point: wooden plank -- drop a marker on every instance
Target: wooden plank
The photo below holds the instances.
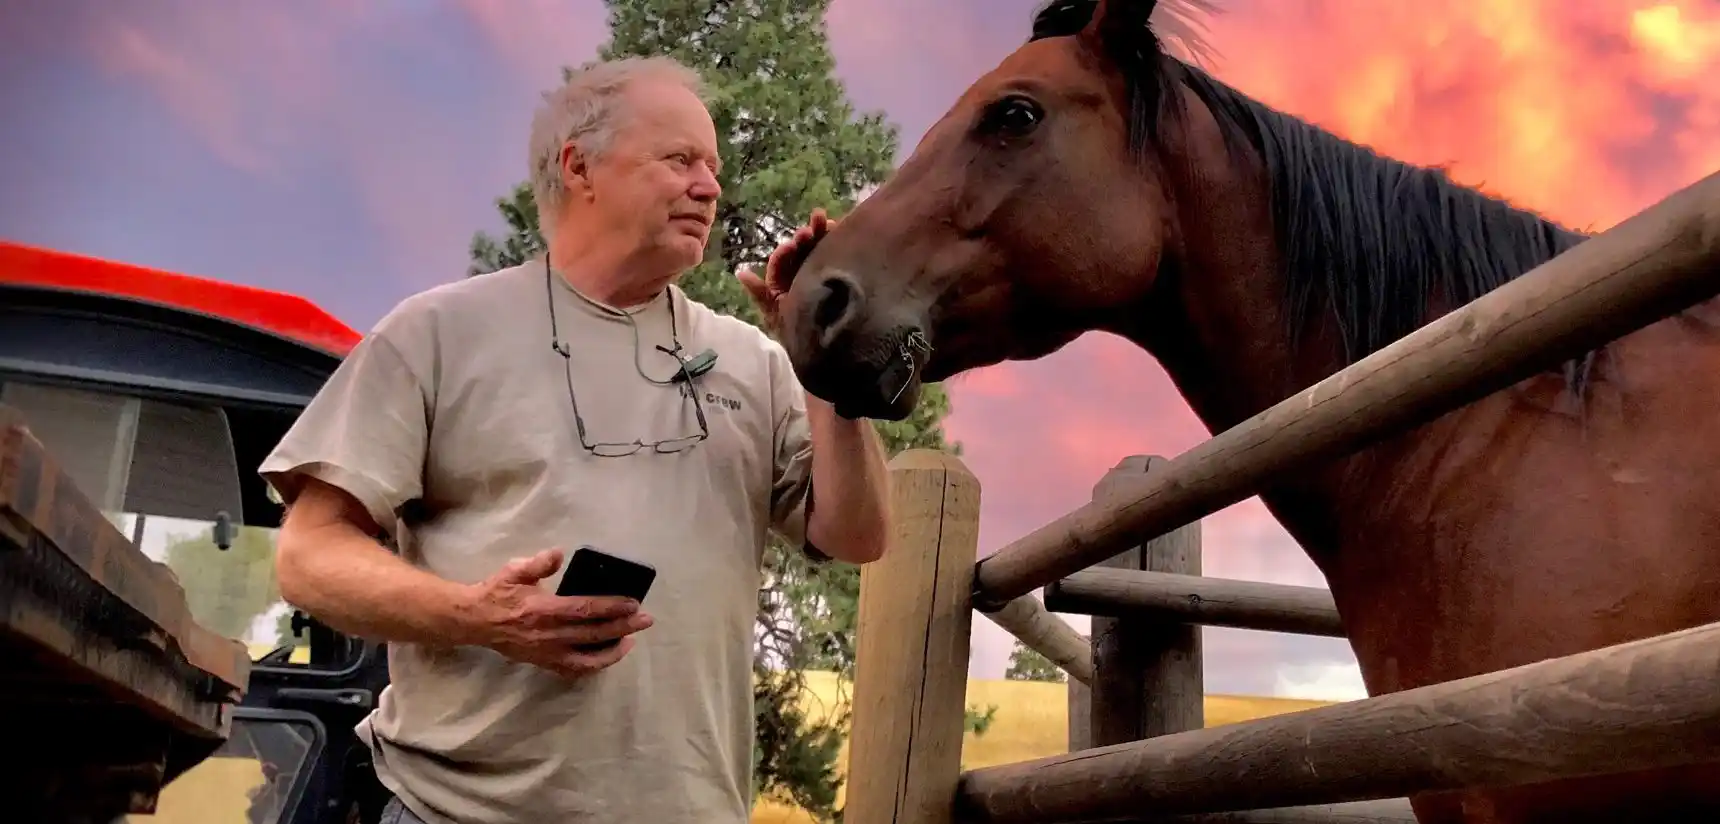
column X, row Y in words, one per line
column 1386, row 811
column 99, row 646
column 61, row 648
column 1036, row 628
column 916, row 611
column 1147, row 676
column 38, row 497
column 1213, row 602
column 1654, row 264
column 1642, row 705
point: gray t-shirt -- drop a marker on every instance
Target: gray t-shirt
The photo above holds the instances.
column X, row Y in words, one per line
column 457, row 404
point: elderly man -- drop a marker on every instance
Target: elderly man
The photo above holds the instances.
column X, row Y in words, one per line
column 492, row 425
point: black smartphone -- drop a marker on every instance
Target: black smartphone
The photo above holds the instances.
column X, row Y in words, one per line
column 591, row 571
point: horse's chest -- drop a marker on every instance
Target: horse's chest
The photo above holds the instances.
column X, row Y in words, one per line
column 1521, row 543
column 1531, row 526
column 1535, row 554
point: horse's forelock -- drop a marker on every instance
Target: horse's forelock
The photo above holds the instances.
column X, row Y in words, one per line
column 1179, row 25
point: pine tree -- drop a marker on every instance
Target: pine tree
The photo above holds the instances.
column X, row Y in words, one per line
column 227, row 590
column 790, row 143
column 1028, row 665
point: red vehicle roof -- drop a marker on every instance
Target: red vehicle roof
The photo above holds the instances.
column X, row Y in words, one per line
column 289, row 316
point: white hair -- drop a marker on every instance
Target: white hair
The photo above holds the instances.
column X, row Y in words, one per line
column 584, row 110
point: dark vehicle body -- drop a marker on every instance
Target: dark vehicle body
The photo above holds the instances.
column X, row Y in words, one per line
column 158, row 395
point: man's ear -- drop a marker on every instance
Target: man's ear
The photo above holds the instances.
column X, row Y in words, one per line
column 575, row 168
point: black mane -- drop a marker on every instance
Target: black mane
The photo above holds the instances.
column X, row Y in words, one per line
column 1376, row 239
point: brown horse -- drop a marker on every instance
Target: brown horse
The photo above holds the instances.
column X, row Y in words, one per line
column 1092, row 181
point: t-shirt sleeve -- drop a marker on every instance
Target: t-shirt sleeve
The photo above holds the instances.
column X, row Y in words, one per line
column 367, row 429
column 791, row 478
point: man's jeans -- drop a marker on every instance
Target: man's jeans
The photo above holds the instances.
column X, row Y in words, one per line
column 395, row 812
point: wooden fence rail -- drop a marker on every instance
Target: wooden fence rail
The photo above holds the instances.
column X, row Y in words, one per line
column 1645, row 704
column 1037, row 629
column 1146, row 689
column 1390, row 811
column 1213, row 602
column 1654, row 264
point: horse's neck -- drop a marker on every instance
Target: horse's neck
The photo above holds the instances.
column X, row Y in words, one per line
column 1224, row 343
column 1221, row 322
column 1219, row 325
column 1218, row 320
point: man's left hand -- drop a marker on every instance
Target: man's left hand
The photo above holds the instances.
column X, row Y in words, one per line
column 783, row 265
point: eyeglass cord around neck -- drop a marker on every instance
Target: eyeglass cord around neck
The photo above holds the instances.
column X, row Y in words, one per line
column 673, row 350
column 685, row 373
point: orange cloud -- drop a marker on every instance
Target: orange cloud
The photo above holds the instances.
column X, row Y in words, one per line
column 1587, row 111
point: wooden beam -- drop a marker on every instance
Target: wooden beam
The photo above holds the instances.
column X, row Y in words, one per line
column 1147, row 675
column 1642, row 705
column 37, row 496
column 98, row 644
column 1652, row 265
column 1191, row 599
column 1080, row 701
column 1387, row 811
column 1035, row 627
column 910, row 684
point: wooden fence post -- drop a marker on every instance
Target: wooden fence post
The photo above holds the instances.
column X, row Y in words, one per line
column 1080, row 715
column 1147, row 675
column 910, row 682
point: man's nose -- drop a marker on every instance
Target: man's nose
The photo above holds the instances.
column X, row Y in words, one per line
column 705, row 187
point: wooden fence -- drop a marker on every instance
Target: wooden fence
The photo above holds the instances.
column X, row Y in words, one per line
column 1139, row 750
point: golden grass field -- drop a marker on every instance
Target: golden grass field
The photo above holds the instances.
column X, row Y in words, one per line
column 1032, row 721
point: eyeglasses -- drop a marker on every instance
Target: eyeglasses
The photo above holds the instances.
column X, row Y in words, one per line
column 607, row 449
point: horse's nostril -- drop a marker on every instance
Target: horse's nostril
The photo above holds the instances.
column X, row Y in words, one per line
column 833, row 307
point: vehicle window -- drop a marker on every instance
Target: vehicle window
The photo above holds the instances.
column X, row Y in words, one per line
column 165, row 473
column 232, row 591
column 90, row 434
column 253, row 778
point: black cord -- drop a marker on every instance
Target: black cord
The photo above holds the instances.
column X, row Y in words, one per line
column 673, row 350
column 682, row 375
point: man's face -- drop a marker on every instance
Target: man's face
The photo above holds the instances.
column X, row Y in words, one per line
column 655, row 189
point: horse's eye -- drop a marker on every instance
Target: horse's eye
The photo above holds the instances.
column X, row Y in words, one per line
column 1013, row 116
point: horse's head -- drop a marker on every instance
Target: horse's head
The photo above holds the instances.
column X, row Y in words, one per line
column 1027, row 214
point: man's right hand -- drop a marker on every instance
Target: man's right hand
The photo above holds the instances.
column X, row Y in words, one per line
column 515, row 617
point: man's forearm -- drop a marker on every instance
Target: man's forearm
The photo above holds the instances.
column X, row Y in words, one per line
column 354, row 585
column 850, row 515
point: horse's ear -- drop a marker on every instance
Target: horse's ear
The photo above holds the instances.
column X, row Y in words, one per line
column 1114, row 19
